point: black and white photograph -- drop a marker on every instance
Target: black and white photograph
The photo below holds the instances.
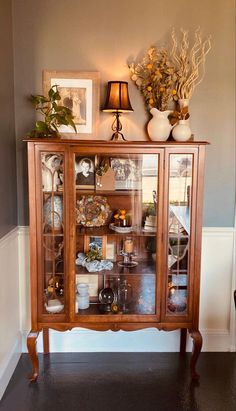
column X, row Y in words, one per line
column 79, row 91
column 74, row 98
column 85, row 172
column 127, row 173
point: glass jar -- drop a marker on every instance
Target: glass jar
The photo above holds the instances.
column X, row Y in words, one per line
column 124, row 296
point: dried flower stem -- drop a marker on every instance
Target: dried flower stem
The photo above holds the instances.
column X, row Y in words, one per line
column 190, row 64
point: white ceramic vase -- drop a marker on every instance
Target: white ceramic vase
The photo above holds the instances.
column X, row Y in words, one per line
column 159, row 127
column 184, row 102
column 182, row 131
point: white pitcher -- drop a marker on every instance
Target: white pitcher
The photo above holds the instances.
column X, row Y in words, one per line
column 159, row 127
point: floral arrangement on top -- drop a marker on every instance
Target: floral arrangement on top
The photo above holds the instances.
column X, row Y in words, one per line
column 155, row 77
column 163, row 76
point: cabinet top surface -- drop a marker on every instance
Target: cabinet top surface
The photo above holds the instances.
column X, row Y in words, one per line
column 89, row 142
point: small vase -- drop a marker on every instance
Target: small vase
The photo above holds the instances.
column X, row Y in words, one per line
column 159, row 127
column 182, row 131
column 184, row 102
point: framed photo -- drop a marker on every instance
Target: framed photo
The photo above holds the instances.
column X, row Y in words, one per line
column 127, row 173
column 85, row 172
column 79, row 91
column 99, row 241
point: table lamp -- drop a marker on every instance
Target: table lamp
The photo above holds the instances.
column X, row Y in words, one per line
column 117, row 102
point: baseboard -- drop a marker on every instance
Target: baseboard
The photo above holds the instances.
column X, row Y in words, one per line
column 9, row 363
column 216, row 341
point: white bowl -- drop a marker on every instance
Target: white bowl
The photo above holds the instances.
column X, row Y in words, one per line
column 54, row 306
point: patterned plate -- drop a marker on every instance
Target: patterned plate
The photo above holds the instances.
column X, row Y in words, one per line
column 92, row 211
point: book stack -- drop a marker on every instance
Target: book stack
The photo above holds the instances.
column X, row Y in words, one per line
column 150, row 223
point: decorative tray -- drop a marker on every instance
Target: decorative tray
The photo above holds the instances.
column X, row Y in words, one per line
column 122, row 230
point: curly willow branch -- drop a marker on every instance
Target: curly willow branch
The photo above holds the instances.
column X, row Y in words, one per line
column 190, row 62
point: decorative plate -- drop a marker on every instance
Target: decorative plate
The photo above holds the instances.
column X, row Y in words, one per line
column 92, row 211
column 53, row 212
column 121, row 230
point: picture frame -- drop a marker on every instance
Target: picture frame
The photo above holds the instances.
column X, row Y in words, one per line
column 85, row 176
column 79, row 91
column 101, row 241
column 127, row 173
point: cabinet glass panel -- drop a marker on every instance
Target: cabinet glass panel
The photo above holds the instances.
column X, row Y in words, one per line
column 116, row 224
column 52, row 165
column 180, row 188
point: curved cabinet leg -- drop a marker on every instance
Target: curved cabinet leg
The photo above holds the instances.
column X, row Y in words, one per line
column 31, row 345
column 197, row 345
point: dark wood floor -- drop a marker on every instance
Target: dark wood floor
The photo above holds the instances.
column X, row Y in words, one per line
column 123, row 382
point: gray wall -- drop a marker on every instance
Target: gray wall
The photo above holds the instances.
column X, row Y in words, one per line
column 8, row 203
column 102, row 35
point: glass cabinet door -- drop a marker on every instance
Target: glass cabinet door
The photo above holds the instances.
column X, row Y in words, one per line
column 52, row 232
column 179, row 228
column 116, row 207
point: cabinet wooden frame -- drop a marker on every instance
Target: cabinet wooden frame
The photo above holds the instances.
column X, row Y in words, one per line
column 69, row 319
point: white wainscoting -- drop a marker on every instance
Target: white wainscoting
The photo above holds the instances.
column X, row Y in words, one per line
column 217, row 316
column 217, row 312
column 10, row 335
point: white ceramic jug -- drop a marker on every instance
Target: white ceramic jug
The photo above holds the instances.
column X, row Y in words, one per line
column 159, row 127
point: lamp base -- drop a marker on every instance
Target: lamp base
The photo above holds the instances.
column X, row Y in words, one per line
column 118, row 136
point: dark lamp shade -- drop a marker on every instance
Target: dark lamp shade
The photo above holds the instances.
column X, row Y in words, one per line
column 117, row 97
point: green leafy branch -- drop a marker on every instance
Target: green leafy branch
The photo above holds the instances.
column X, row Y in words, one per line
column 54, row 114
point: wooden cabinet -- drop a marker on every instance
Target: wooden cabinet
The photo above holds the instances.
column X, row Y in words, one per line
column 115, row 237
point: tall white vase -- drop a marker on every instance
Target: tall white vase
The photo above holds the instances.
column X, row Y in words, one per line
column 159, row 127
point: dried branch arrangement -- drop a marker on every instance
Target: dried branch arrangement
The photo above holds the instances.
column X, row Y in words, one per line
column 189, row 62
column 155, row 77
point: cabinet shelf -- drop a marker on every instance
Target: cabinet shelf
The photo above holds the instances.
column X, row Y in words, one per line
column 55, row 193
column 94, row 309
column 105, row 230
column 129, row 193
column 143, row 268
column 55, row 234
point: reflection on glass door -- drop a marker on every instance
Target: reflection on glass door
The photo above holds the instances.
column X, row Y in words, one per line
column 116, row 224
column 52, row 171
column 180, row 189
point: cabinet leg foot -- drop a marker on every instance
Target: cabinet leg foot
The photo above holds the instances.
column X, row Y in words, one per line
column 197, row 345
column 45, row 340
column 31, row 345
column 183, row 336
